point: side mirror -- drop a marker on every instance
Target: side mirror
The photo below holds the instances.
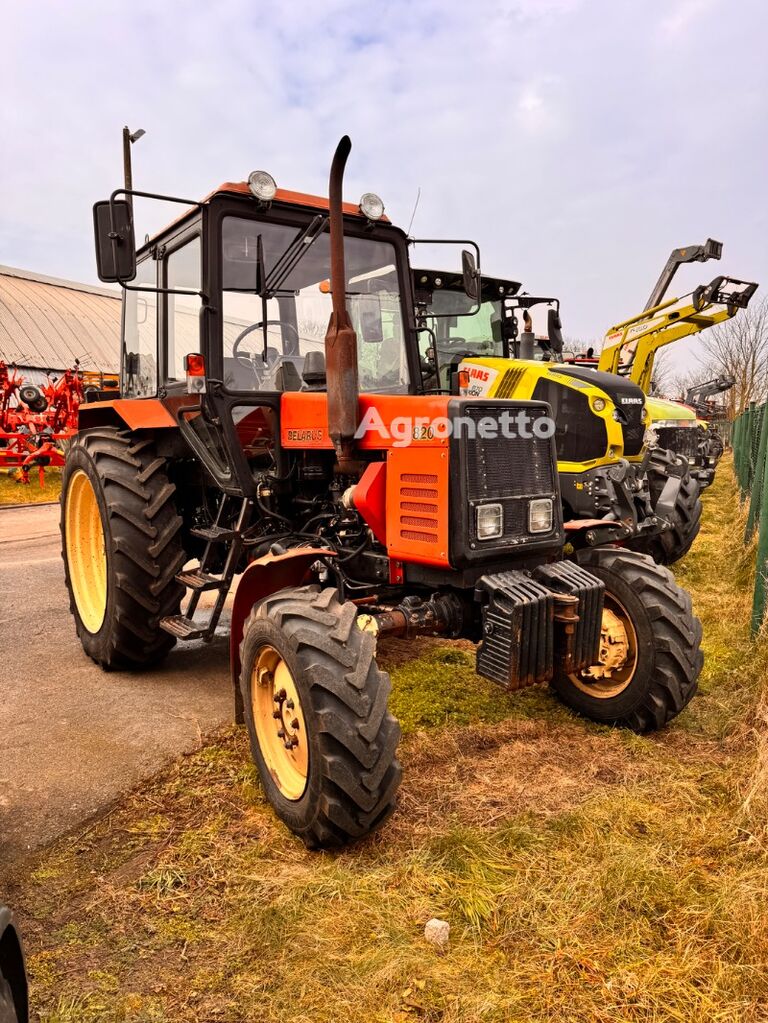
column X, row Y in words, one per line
column 470, row 276
column 115, row 244
column 555, row 330
column 371, row 324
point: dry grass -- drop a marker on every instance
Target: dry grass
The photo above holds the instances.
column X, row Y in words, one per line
column 587, row 874
column 12, row 492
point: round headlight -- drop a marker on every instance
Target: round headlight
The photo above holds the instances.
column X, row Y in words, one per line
column 262, row 185
column 598, row 404
column 371, row 206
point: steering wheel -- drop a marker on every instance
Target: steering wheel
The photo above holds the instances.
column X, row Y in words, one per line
column 236, row 354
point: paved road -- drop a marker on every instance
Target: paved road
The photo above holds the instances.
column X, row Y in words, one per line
column 73, row 737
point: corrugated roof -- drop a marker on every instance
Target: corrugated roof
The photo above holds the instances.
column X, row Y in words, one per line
column 48, row 323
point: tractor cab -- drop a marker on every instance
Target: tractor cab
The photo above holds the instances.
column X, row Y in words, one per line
column 233, row 301
column 454, row 327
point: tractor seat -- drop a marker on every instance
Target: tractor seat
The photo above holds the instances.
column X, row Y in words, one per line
column 314, row 371
column 287, row 377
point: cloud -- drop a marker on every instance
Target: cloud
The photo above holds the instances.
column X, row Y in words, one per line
column 559, row 134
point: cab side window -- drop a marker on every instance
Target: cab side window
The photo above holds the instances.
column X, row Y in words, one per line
column 182, row 270
column 140, row 334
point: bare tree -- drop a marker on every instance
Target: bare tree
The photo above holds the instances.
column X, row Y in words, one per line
column 739, row 348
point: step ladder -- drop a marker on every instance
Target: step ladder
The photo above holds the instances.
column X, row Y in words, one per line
column 202, row 579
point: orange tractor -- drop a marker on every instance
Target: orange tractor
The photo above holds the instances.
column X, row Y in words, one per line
column 252, row 440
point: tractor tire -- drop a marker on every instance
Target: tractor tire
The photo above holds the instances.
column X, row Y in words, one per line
column 14, row 997
column 670, row 546
column 121, row 547
column 316, row 711
column 650, row 646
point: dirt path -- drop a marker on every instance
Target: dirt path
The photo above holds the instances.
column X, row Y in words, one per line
column 74, row 737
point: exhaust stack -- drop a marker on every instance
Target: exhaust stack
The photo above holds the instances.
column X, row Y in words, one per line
column 340, row 339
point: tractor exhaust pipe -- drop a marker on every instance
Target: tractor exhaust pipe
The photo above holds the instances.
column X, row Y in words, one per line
column 340, row 339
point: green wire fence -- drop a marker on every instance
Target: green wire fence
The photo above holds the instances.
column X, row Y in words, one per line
column 749, row 438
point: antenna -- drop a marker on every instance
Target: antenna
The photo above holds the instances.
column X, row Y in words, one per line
column 415, row 207
column 129, row 138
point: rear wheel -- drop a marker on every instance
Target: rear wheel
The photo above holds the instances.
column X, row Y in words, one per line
column 121, row 548
column 668, row 547
column 316, row 711
column 650, row 656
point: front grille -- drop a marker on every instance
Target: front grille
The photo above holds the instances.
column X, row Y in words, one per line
column 626, row 396
column 510, row 470
column 683, row 440
column 580, row 435
column 633, row 430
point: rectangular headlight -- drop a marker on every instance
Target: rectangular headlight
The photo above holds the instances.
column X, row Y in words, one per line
column 489, row 521
column 540, row 515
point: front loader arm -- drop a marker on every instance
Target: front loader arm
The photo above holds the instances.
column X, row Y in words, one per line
column 630, row 347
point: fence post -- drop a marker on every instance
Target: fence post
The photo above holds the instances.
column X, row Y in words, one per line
column 758, row 477
column 758, row 601
column 738, row 431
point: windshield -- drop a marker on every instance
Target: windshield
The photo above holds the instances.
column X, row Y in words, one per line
column 456, row 330
column 299, row 308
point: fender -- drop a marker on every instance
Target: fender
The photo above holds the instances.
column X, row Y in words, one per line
column 264, row 576
column 136, row 414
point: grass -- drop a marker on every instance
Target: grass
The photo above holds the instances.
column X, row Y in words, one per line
column 12, row 492
column 587, row 874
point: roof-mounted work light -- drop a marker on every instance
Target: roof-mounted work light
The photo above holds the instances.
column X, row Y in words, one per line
column 371, row 206
column 262, row 185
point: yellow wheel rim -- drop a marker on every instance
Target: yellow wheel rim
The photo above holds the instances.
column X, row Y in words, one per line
column 86, row 551
column 618, row 654
column 279, row 722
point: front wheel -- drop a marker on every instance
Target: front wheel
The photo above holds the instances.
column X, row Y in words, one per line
column 650, row 655
column 316, row 711
column 674, row 543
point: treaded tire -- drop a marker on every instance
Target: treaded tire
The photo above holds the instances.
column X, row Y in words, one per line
column 669, row 657
column 8, row 1012
column 143, row 549
column 668, row 547
column 353, row 772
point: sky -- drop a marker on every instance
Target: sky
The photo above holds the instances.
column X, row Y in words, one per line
column 576, row 141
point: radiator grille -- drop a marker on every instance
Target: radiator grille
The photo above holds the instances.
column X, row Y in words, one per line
column 580, row 435
column 510, row 470
column 683, row 440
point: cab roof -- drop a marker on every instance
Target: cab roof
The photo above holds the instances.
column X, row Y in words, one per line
column 290, row 198
column 282, row 196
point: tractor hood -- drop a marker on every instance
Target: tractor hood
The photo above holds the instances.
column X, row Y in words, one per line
column 663, row 409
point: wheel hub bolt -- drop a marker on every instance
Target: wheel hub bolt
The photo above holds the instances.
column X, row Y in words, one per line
column 295, row 723
column 289, row 704
column 280, row 733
